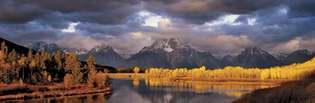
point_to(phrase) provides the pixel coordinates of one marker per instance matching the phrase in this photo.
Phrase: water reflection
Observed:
(127, 95)
(145, 94)
(235, 89)
(161, 91)
(164, 91)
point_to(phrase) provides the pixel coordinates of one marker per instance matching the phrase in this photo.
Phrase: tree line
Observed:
(289, 72)
(46, 68)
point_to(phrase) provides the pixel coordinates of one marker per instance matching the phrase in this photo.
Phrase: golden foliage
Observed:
(68, 80)
(73, 66)
(99, 80)
(290, 72)
(91, 70)
(136, 70)
(42, 67)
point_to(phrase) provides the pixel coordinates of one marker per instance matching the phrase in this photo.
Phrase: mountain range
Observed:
(174, 53)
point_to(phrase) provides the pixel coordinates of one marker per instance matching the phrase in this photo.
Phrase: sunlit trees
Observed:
(73, 67)
(136, 70)
(3, 66)
(91, 70)
(290, 72)
(22, 66)
(47, 68)
(68, 80)
(4, 48)
(57, 58)
(101, 80)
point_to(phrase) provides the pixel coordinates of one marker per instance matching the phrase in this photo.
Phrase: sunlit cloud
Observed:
(251, 21)
(136, 35)
(283, 10)
(71, 27)
(154, 20)
(295, 44)
(78, 41)
(225, 20)
(223, 44)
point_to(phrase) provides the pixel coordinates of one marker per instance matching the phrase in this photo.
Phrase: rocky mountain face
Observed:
(174, 53)
(256, 57)
(52, 47)
(43, 46)
(298, 56)
(105, 55)
(228, 60)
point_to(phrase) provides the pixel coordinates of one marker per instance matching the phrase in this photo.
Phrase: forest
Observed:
(47, 70)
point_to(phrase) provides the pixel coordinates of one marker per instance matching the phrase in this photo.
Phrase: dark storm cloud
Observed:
(208, 24)
(114, 11)
(29, 32)
(18, 11)
(199, 11)
(100, 11)
(301, 8)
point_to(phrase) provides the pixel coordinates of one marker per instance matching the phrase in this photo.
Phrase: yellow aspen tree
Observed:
(73, 66)
(91, 70)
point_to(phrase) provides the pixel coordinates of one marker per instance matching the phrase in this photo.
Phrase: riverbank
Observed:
(16, 91)
(291, 92)
(128, 76)
(302, 91)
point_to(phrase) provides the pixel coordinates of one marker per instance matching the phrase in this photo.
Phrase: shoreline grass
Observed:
(12, 91)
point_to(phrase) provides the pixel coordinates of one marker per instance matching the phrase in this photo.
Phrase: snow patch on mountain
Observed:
(168, 49)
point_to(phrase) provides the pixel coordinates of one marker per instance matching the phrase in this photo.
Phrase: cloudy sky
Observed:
(219, 26)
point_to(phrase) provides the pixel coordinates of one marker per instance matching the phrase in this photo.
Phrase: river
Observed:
(158, 91)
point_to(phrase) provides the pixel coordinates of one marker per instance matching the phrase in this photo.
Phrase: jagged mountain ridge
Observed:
(52, 47)
(172, 53)
(43, 46)
(298, 56)
(105, 55)
(256, 57)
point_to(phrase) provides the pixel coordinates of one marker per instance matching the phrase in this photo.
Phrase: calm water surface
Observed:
(157, 91)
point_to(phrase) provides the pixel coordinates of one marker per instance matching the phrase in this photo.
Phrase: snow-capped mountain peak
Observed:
(254, 51)
(168, 45)
(43, 46)
(102, 48)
